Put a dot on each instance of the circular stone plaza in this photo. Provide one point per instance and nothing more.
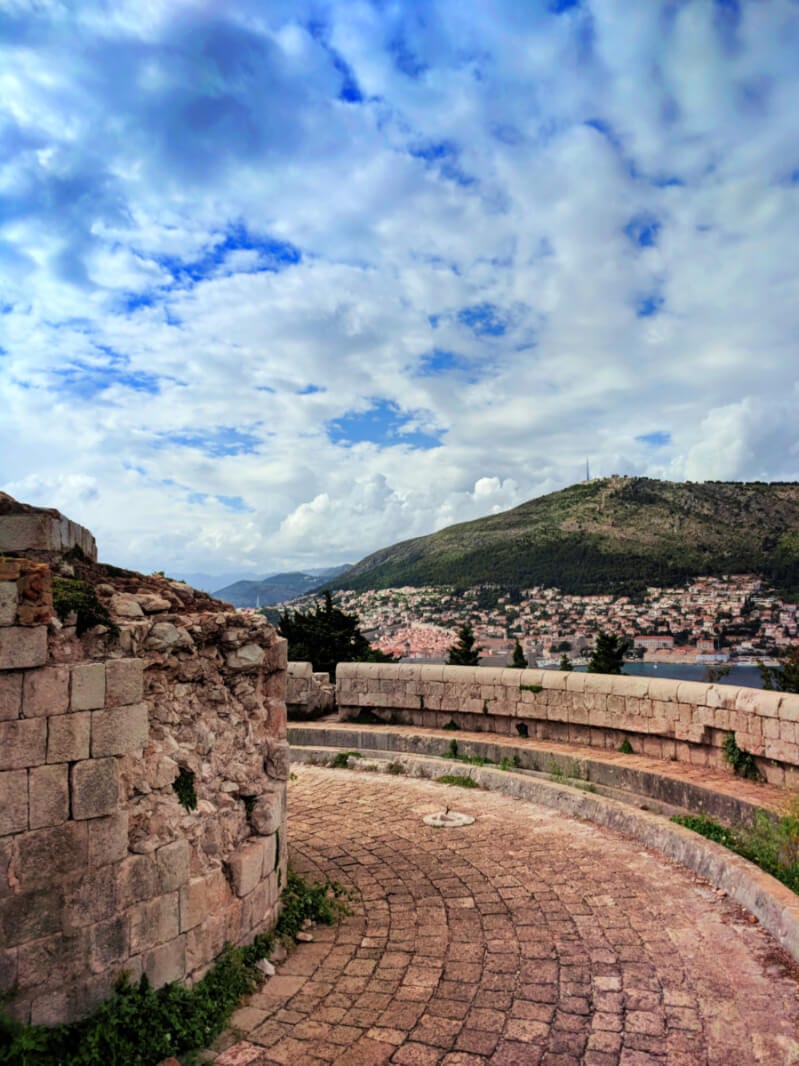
(528, 937)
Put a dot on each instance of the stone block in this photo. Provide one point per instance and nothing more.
(203, 896)
(13, 802)
(172, 861)
(108, 943)
(95, 788)
(249, 657)
(45, 692)
(153, 921)
(22, 743)
(788, 706)
(271, 856)
(8, 971)
(269, 811)
(44, 855)
(7, 853)
(692, 692)
(29, 916)
(89, 899)
(246, 866)
(52, 961)
(137, 879)
(166, 963)
(48, 790)
(258, 905)
(108, 839)
(120, 730)
(301, 670)
(68, 737)
(666, 689)
(278, 761)
(10, 695)
(88, 686)
(124, 681)
(204, 942)
(22, 647)
(72, 1001)
(8, 603)
(44, 531)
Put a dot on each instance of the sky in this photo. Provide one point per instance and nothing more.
(284, 283)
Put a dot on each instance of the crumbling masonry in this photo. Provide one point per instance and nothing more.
(105, 867)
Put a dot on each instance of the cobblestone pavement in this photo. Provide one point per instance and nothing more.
(526, 938)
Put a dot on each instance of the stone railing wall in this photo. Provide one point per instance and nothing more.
(102, 868)
(667, 719)
(309, 693)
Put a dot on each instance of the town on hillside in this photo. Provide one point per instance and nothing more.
(735, 619)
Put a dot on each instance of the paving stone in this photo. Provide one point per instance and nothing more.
(525, 939)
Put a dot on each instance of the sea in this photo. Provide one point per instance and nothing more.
(746, 676)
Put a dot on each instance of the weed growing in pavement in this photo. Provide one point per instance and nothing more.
(510, 764)
(451, 725)
(395, 768)
(531, 688)
(626, 747)
(341, 759)
(771, 842)
(457, 779)
(522, 730)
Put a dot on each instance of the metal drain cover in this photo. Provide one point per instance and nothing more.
(447, 819)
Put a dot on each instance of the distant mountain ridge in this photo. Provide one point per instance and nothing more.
(277, 588)
(608, 535)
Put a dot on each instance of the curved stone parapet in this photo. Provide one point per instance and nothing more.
(683, 720)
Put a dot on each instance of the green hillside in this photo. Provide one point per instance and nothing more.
(607, 535)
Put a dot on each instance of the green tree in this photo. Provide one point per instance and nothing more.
(608, 654)
(785, 677)
(326, 636)
(565, 662)
(463, 652)
(519, 661)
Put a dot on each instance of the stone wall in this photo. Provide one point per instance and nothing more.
(309, 694)
(667, 719)
(102, 869)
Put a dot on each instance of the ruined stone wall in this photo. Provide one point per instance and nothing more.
(667, 719)
(102, 869)
(309, 694)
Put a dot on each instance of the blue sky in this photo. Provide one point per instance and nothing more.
(283, 283)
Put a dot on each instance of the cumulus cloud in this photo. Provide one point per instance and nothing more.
(282, 284)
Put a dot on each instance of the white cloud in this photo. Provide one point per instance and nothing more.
(172, 372)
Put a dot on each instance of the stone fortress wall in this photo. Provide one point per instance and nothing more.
(683, 720)
(102, 868)
(309, 693)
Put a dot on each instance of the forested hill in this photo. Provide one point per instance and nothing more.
(607, 535)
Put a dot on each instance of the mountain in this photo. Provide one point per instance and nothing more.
(277, 588)
(613, 535)
(206, 582)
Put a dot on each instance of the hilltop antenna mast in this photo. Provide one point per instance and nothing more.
(587, 471)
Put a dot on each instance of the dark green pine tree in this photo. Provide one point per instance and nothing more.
(785, 677)
(608, 654)
(463, 652)
(326, 636)
(565, 662)
(518, 662)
